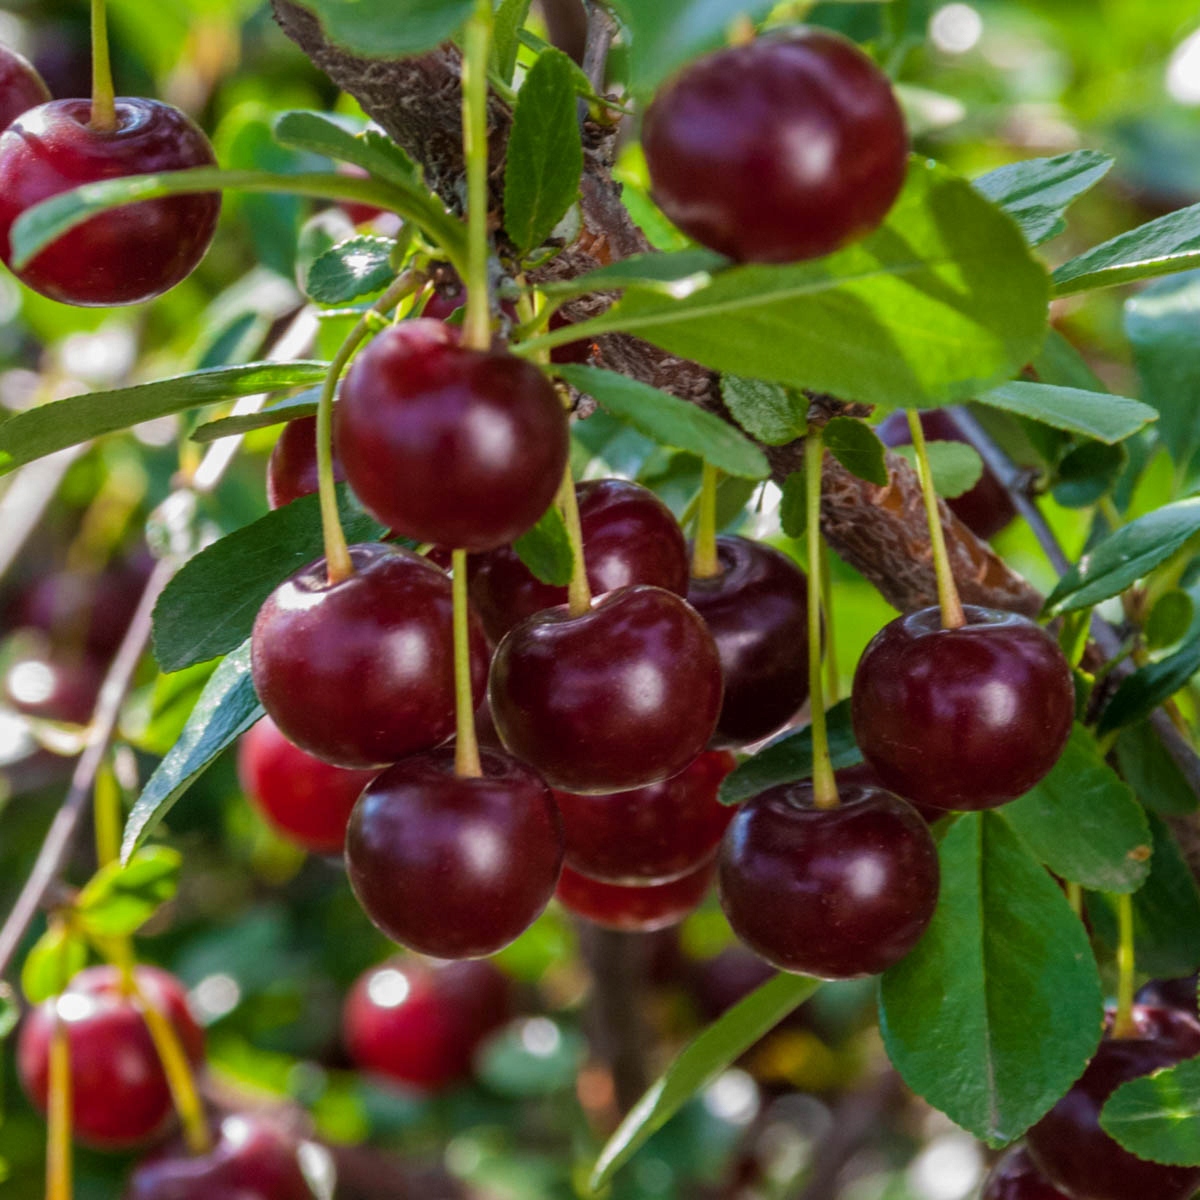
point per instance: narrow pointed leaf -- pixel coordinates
(1099, 415)
(320, 133)
(304, 404)
(506, 41)
(1143, 691)
(1038, 191)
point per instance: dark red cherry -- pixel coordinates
(634, 909)
(1071, 1149)
(757, 611)
(621, 697)
(361, 673)
(833, 893)
(54, 687)
(461, 447)
(1171, 993)
(783, 149)
(864, 775)
(650, 834)
(419, 1023)
(629, 536)
(304, 798)
(292, 467)
(253, 1159)
(125, 255)
(21, 87)
(119, 1093)
(454, 866)
(1014, 1177)
(569, 352)
(987, 508)
(964, 718)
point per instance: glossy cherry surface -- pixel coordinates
(1171, 993)
(125, 255)
(55, 687)
(757, 611)
(651, 834)
(1069, 1146)
(629, 536)
(304, 798)
(419, 1023)
(833, 893)
(464, 448)
(634, 909)
(120, 1096)
(1014, 1177)
(964, 718)
(361, 673)
(782, 149)
(621, 697)
(292, 467)
(454, 866)
(21, 87)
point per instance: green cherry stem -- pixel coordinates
(1123, 1025)
(106, 801)
(466, 745)
(825, 794)
(705, 563)
(579, 593)
(104, 108)
(952, 610)
(58, 1115)
(832, 682)
(477, 40)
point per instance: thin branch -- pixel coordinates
(601, 30)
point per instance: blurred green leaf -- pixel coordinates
(1152, 773)
(793, 504)
(121, 898)
(955, 466)
(858, 448)
(546, 549)
(10, 1011)
(304, 404)
(55, 959)
(674, 273)
(1142, 692)
(537, 1057)
(389, 28)
(1038, 191)
(356, 267)
(1087, 472)
(510, 16)
(1157, 1116)
(1099, 415)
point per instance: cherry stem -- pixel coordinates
(477, 39)
(952, 609)
(579, 593)
(1123, 1024)
(466, 745)
(825, 794)
(58, 1139)
(106, 802)
(832, 682)
(705, 563)
(1075, 898)
(104, 107)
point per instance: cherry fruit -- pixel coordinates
(1014, 1177)
(55, 687)
(833, 893)
(489, 848)
(1171, 993)
(21, 87)
(361, 673)
(443, 444)
(126, 255)
(964, 718)
(292, 467)
(641, 909)
(783, 149)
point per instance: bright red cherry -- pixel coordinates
(757, 611)
(443, 444)
(1014, 1177)
(454, 866)
(1071, 1149)
(292, 467)
(964, 718)
(419, 1023)
(650, 834)
(782, 149)
(361, 673)
(833, 893)
(125, 255)
(629, 536)
(634, 909)
(120, 1097)
(21, 87)
(623, 696)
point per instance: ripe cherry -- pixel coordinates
(1014, 1177)
(361, 672)
(125, 255)
(460, 447)
(55, 687)
(783, 149)
(454, 866)
(21, 87)
(651, 834)
(833, 893)
(629, 536)
(1171, 993)
(623, 696)
(1071, 1149)
(964, 718)
(757, 611)
(419, 1023)
(119, 1093)
(292, 467)
(640, 909)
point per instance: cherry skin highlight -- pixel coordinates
(21, 87)
(488, 848)
(623, 696)
(833, 893)
(1014, 1177)
(965, 718)
(55, 687)
(634, 909)
(125, 255)
(783, 149)
(361, 673)
(292, 467)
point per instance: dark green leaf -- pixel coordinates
(1058, 361)
(120, 899)
(545, 153)
(793, 505)
(1144, 690)
(1083, 822)
(767, 412)
(704, 1057)
(57, 956)
(1152, 773)
(352, 268)
(857, 447)
(304, 404)
(50, 427)
(955, 466)
(1098, 415)
(669, 420)
(998, 1009)
(1158, 1116)
(321, 133)
(1087, 472)
(546, 549)
(510, 16)
(389, 28)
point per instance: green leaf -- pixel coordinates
(227, 707)
(1160, 247)
(1157, 1116)
(304, 404)
(955, 466)
(1152, 773)
(699, 1063)
(120, 899)
(1083, 822)
(1038, 191)
(506, 41)
(1143, 691)
(10, 1011)
(1125, 556)
(675, 274)
(857, 447)
(389, 28)
(789, 758)
(793, 505)
(997, 1010)
(545, 152)
(61, 423)
(767, 412)
(352, 268)
(57, 956)
(320, 133)
(1087, 472)
(546, 549)
(669, 420)
(210, 603)
(1099, 415)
